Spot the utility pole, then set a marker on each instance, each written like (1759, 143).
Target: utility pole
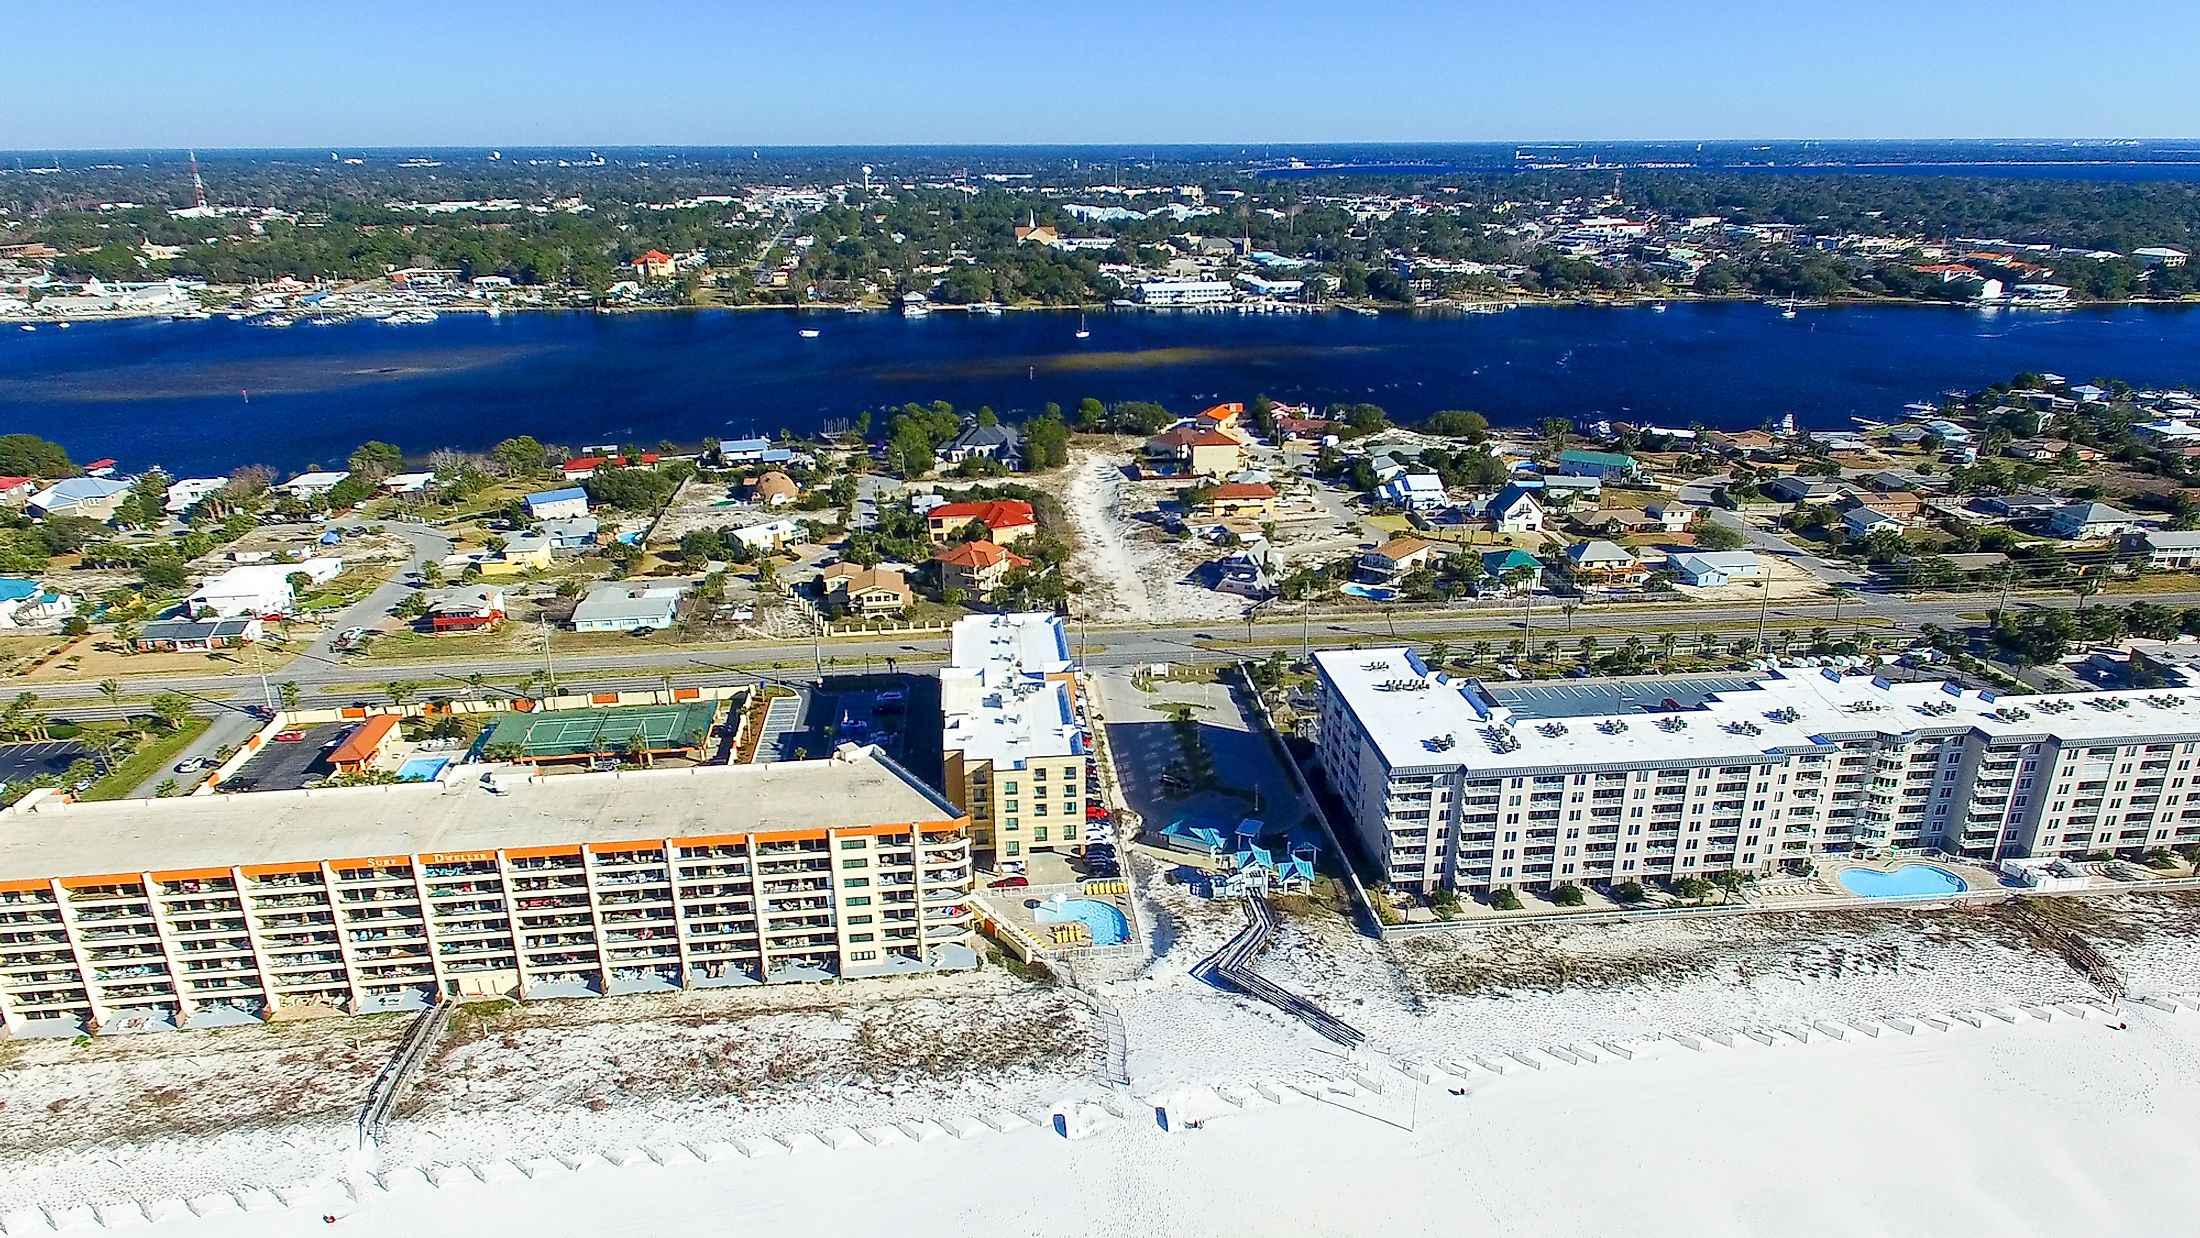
(549, 667)
(1764, 604)
(267, 694)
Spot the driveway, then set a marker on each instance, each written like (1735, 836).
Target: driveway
(426, 544)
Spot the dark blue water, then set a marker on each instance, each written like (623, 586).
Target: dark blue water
(172, 393)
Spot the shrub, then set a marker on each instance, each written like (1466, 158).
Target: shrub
(1505, 900)
(2160, 858)
(1629, 892)
(1691, 887)
(1568, 895)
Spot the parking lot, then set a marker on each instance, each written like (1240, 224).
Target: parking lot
(52, 757)
(287, 767)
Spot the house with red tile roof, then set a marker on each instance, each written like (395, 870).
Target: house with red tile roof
(976, 568)
(1008, 520)
(1193, 451)
(656, 264)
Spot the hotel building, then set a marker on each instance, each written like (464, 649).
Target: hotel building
(209, 910)
(1448, 782)
(1015, 756)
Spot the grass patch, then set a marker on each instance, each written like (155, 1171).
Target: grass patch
(147, 761)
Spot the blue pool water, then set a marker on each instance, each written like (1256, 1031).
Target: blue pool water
(422, 769)
(1373, 593)
(1908, 881)
(1106, 921)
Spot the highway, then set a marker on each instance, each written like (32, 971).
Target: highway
(324, 677)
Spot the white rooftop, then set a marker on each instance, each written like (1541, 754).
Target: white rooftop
(1417, 718)
(45, 839)
(996, 702)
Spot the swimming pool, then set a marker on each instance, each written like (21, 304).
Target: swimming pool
(1372, 593)
(1908, 881)
(422, 769)
(1105, 920)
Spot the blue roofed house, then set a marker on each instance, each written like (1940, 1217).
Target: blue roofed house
(558, 504)
(1513, 510)
(26, 604)
(1000, 442)
(753, 451)
(1597, 464)
(93, 497)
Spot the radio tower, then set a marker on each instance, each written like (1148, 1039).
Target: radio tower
(198, 185)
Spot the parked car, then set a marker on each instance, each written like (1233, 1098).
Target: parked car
(192, 765)
(1103, 869)
(290, 737)
(241, 784)
(1009, 883)
(1096, 812)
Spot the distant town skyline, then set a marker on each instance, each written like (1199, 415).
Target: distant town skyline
(865, 72)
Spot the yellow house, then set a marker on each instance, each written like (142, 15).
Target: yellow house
(522, 552)
(1237, 500)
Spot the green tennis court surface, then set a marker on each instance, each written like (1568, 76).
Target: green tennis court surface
(591, 732)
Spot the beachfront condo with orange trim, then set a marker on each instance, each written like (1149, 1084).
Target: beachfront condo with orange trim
(206, 911)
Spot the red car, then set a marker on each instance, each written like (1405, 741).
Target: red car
(290, 737)
(1010, 883)
(1096, 812)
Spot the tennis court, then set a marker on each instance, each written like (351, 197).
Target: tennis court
(570, 733)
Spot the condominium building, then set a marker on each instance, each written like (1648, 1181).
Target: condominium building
(1449, 782)
(1015, 756)
(209, 910)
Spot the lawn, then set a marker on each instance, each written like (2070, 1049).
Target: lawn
(148, 760)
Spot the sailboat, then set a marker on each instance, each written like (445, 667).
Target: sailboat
(1082, 332)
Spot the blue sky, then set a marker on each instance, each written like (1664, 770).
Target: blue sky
(212, 73)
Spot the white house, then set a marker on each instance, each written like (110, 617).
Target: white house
(1864, 521)
(2170, 549)
(1670, 517)
(257, 588)
(1418, 492)
(558, 504)
(26, 603)
(312, 485)
(1512, 510)
(2084, 520)
(190, 492)
(1708, 569)
(407, 483)
(626, 608)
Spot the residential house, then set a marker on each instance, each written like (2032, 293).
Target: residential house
(2172, 550)
(1616, 521)
(1001, 443)
(571, 533)
(1223, 419)
(853, 589)
(1244, 573)
(976, 568)
(1398, 556)
(558, 504)
(1294, 429)
(1513, 510)
(198, 635)
(1865, 521)
(2043, 450)
(581, 468)
(656, 264)
(1798, 488)
(407, 483)
(771, 536)
(28, 604)
(1415, 492)
(1189, 451)
(1605, 565)
(2021, 506)
(16, 492)
(2087, 520)
(1900, 504)
(306, 487)
(773, 489)
(187, 493)
(1597, 464)
(1237, 500)
(1006, 520)
(1563, 489)
(257, 589)
(95, 498)
(753, 451)
(628, 608)
(1668, 517)
(464, 608)
(526, 550)
(1497, 565)
(1708, 569)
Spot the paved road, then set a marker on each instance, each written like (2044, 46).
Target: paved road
(426, 544)
(324, 682)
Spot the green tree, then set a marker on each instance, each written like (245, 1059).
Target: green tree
(171, 709)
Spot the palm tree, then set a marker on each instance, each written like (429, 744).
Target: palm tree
(1666, 645)
(1481, 650)
(2084, 587)
(1567, 608)
(171, 709)
(1840, 596)
(110, 691)
(290, 694)
(400, 690)
(636, 749)
(1438, 653)
(1588, 648)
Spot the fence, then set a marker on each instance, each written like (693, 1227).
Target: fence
(1363, 908)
